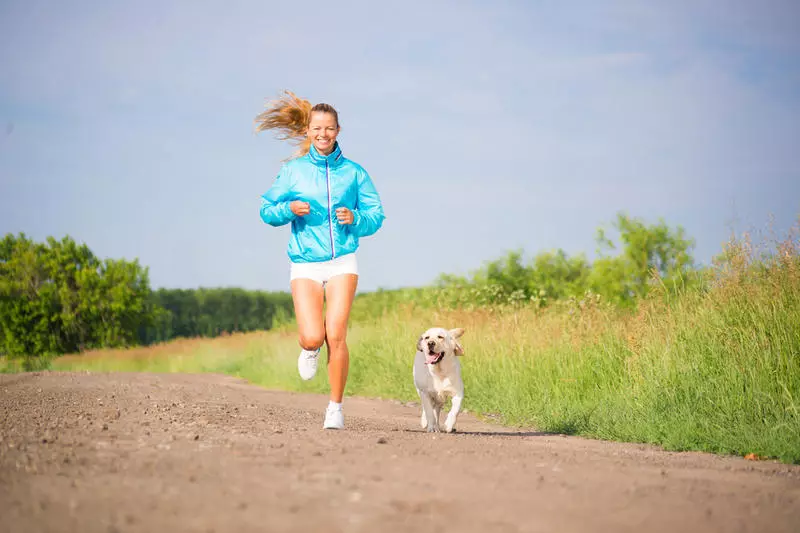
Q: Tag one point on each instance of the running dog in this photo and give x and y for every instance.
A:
(437, 376)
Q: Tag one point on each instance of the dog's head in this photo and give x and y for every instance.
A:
(436, 343)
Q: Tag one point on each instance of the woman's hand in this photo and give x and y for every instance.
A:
(300, 208)
(344, 215)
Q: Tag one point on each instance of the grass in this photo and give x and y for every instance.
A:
(714, 369)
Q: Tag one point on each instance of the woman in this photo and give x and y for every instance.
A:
(330, 202)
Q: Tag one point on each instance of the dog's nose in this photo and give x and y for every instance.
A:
(431, 344)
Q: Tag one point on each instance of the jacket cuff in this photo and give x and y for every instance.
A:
(287, 211)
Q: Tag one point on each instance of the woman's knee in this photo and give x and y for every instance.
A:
(312, 340)
(336, 337)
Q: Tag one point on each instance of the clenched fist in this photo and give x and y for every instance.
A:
(344, 215)
(300, 208)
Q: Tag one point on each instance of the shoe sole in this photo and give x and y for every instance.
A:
(300, 373)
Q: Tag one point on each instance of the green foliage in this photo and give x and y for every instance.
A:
(58, 297)
(212, 312)
(648, 256)
(707, 360)
(713, 368)
(551, 275)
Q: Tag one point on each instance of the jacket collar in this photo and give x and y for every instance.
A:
(333, 159)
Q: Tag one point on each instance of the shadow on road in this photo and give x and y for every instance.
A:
(495, 433)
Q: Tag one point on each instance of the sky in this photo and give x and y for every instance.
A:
(486, 127)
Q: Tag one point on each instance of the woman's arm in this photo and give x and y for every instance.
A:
(275, 203)
(368, 215)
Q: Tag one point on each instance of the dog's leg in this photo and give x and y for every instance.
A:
(428, 414)
(423, 420)
(437, 408)
(450, 423)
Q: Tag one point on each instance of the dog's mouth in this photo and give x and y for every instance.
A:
(433, 357)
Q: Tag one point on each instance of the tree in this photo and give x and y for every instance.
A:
(58, 297)
(648, 252)
(644, 254)
(206, 312)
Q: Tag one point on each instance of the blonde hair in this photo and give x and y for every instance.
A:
(289, 116)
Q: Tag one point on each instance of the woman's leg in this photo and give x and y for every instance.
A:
(308, 296)
(339, 292)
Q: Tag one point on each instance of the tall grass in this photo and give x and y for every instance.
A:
(713, 368)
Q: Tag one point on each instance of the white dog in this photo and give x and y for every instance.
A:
(437, 376)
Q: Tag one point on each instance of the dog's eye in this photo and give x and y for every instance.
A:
(439, 337)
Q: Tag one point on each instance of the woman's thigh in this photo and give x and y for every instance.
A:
(308, 297)
(339, 293)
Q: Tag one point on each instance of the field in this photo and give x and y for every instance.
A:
(715, 367)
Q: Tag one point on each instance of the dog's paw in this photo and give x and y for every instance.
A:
(450, 429)
(434, 429)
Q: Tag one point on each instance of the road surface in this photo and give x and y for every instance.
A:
(208, 453)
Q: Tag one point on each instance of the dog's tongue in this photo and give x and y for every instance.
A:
(433, 357)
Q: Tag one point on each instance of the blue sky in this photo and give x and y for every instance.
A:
(486, 128)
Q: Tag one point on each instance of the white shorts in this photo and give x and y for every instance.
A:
(323, 271)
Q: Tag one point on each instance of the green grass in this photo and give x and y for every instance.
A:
(715, 370)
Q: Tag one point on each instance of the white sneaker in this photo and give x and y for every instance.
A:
(334, 418)
(307, 363)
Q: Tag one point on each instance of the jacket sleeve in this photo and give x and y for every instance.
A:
(368, 215)
(275, 209)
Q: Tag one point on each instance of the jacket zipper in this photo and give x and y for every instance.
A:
(330, 213)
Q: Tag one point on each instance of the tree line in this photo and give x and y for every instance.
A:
(58, 297)
(632, 258)
(210, 312)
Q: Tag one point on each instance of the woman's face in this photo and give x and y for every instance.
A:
(322, 131)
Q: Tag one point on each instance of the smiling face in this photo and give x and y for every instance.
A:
(323, 128)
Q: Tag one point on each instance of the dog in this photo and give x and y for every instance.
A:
(437, 376)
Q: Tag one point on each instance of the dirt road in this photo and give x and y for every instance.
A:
(207, 453)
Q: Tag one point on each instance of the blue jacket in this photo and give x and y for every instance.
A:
(326, 183)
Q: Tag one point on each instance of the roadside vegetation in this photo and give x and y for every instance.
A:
(639, 345)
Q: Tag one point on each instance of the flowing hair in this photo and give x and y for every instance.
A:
(289, 116)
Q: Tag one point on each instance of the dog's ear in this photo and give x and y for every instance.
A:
(458, 350)
(455, 334)
(419, 344)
